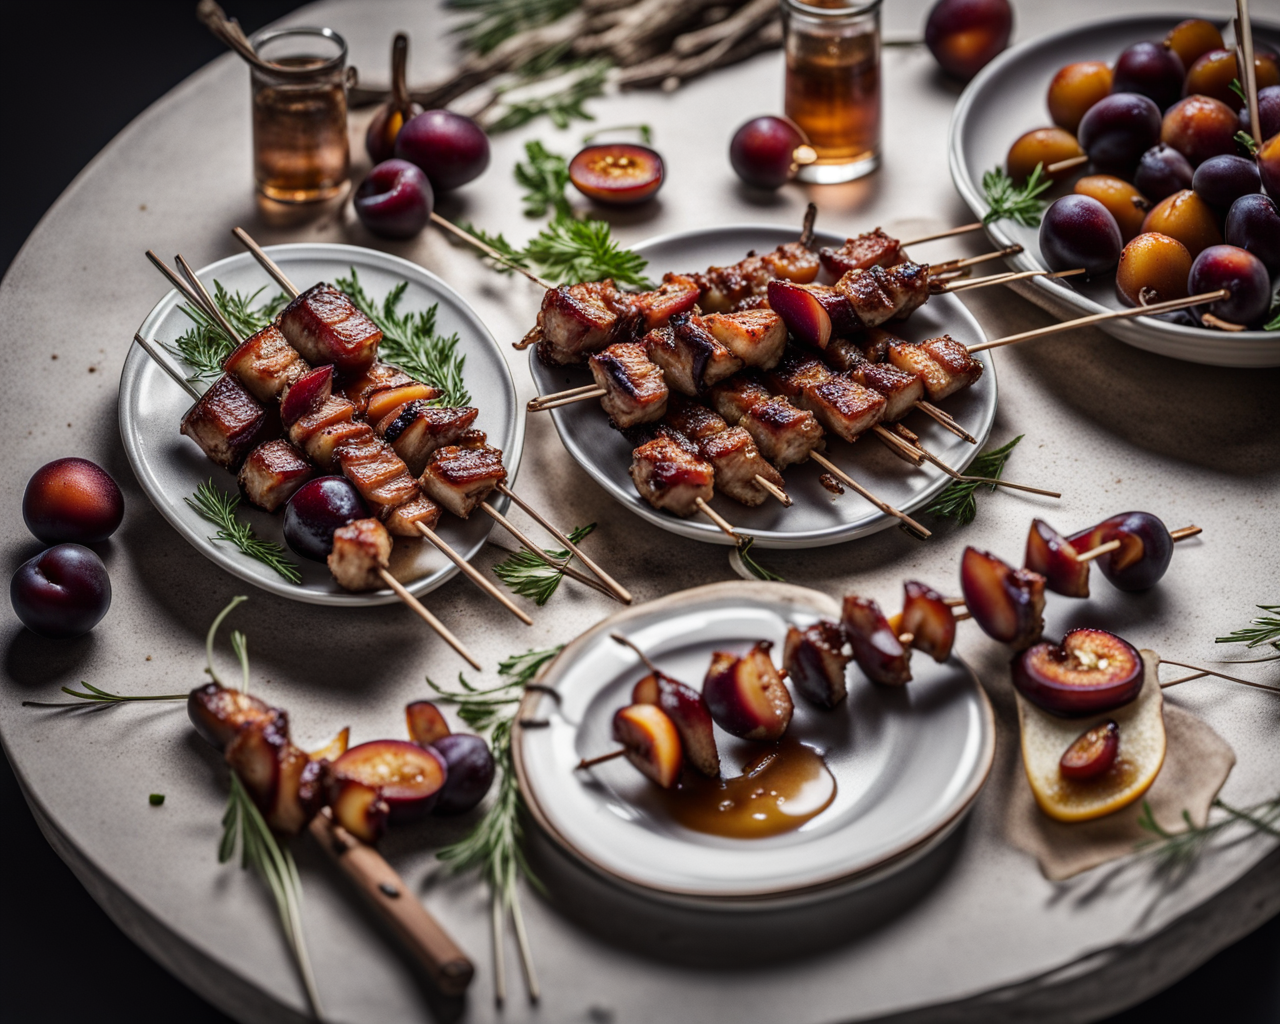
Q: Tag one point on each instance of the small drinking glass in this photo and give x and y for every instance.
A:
(300, 152)
(833, 84)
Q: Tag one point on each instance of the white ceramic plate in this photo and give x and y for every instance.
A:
(817, 517)
(1006, 99)
(908, 761)
(170, 467)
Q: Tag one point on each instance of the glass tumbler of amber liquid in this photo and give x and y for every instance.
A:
(300, 150)
(833, 84)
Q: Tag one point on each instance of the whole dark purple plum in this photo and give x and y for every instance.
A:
(1078, 231)
(62, 592)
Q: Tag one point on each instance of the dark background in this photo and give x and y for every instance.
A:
(63, 959)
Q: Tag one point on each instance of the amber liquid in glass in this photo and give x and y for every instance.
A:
(300, 135)
(833, 93)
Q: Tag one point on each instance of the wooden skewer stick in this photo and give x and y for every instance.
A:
(425, 615)
(1103, 549)
(913, 439)
(472, 573)
(591, 762)
(420, 933)
(1183, 532)
(268, 264)
(499, 952)
(1220, 675)
(539, 553)
(849, 481)
(587, 390)
(183, 288)
(526, 954)
(489, 250)
(206, 300)
(774, 490)
(618, 638)
(718, 519)
(560, 398)
(1115, 314)
(1021, 275)
(964, 229)
(900, 447)
(1248, 71)
(971, 261)
(623, 594)
(154, 352)
(953, 602)
(1067, 164)
(945, 420)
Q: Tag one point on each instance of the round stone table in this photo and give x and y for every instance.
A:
(974, 932)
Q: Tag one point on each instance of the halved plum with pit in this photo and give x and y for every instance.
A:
(1093, 753)
(815, 660)
(650, 742)
(746, 695)
(1090, 672)
(876, 647)
(1146, 548)
(306, 394)
(619, 174)
(688, 713)
(410, 777)
(359, 809)
(929, 619)
(1007, 603)
(1053, 557)
(426, 723)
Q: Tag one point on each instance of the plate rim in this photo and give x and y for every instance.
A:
(707, 533)
(136, 359)
(1249, 348)
(897, 859)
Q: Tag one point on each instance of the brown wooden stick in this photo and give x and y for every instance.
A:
(544, 406)
(1069, 162)
(944, 420)
(622, 593)
(425, 615)
(972, 261)
(618, 638)
(385, 891)
(174, 279)
(206, 300)
(489, 250)
(900, 447)
(1221, 675)
(268, 264)
(472, 573)
(1021, 275)
(591, 762)
(556, 395)
(914, 441)
(964, 229)
(1182, 533)
(774, 490)
(716, 518)
(1248, 71)
(953, 602)
(150, 349)
(1115, 314)
(526, 954)
(1099, 551)
(849, 481)
(533, 549)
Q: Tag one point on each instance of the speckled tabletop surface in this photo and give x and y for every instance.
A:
(974, 932)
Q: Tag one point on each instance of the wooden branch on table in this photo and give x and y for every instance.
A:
(670, 71)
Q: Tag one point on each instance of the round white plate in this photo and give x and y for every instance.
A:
(1006, 99)
(817, 517)
(908, 761)
(170, 467)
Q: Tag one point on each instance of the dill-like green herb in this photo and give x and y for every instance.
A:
(543, 177)
(959, 501)
(1262, 631)
(410, 341)
(743, 554)
(1010, 201)
(219, 508)
(96, 697)
(156, 799)
(1176, 850)
(562, 106)
(568, 251)
(205, 344)
(495, 21)
(529, 576)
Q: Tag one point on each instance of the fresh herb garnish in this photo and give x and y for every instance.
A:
(410, 341)
(1246, 140)
(529, 576)
(1176, 850)
(1017, 203)
(496, 21)
(646, 133)
(100, 698)
(562, 106)
(1274, 323)
(205, 345)
(959, 501)
(1262, 631)
(155, 799)
(742, 555)
(219, 508)
(543, 177)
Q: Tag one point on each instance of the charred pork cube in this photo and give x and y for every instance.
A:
(575, 321)
(459, 479)
(815, 661)
(272, 472)
(944, 365)
(472, 439)
(318, 433)
(417, 429)
(756, 336)
(843, 406)
(266, 364)
(878, 294)
(784, 434)
(670, 474)
(739, 466)
(901, 390)
(325, 327)
(402, 520)
(360, 549)
(226, 422)
(690, 356)
(635, 389)
(872, 249)
(377, 472)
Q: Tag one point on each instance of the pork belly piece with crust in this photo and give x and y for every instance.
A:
(360, 549)
(878, 295)
(417, 429)
(901, 390)
(730, 450)
(756, 336)
(378, 473)
(226, 422)
(784, 434)
(574, 321)
(272, 473)
(689, 355)
(670, 474)
(743, 285)
(871, 249)
(266, 364)
(459, 479)
(843, 406)
(944, 373)
(325, 327)
(318, 433)
(401, 521)
(635, 388)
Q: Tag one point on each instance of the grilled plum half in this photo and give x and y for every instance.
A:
(688, 713)
(815, 660)
(1093, 752)
(1053, 557)
(1090, 672)
(746, 694)
(1146, 548)
(876, 647)
(650, 742)
(409, 776)
(426, 724)
(929, 620)
(1007, 603)
(471, 769)
(359, 808)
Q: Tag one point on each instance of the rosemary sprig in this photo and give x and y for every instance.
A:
(205, 345)
(1263, 630)
(562, 106)
(529, 576)
(1009, 201)
(219, 508)
(98, 698)
(1176, 850)
(959, 501)
(568, 251)
(495, 21)
(543, 177)
(410, 341)
(742, 554)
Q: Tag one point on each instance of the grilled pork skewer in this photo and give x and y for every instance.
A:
(670, 474)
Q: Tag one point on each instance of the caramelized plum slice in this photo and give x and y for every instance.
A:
(359, 809)
(650, 742)
(1093, 753)
(618, 174)
(409, 776)
(929, 620)
(426, 723)
(1091, 672)
(815, 660)
(305, 395)
(1146, 548)
(335, 748)
(801, 311)
(1053, 557)
(285, 784)
(218, 713)
(746, 695)
(1007, 603)
(876, 646)
(688, 713)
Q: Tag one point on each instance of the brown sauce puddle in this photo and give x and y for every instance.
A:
(778, 791)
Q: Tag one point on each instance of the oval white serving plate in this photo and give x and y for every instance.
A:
(817, 517)
(908, 761)
(1006, 99)
(170, 467)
